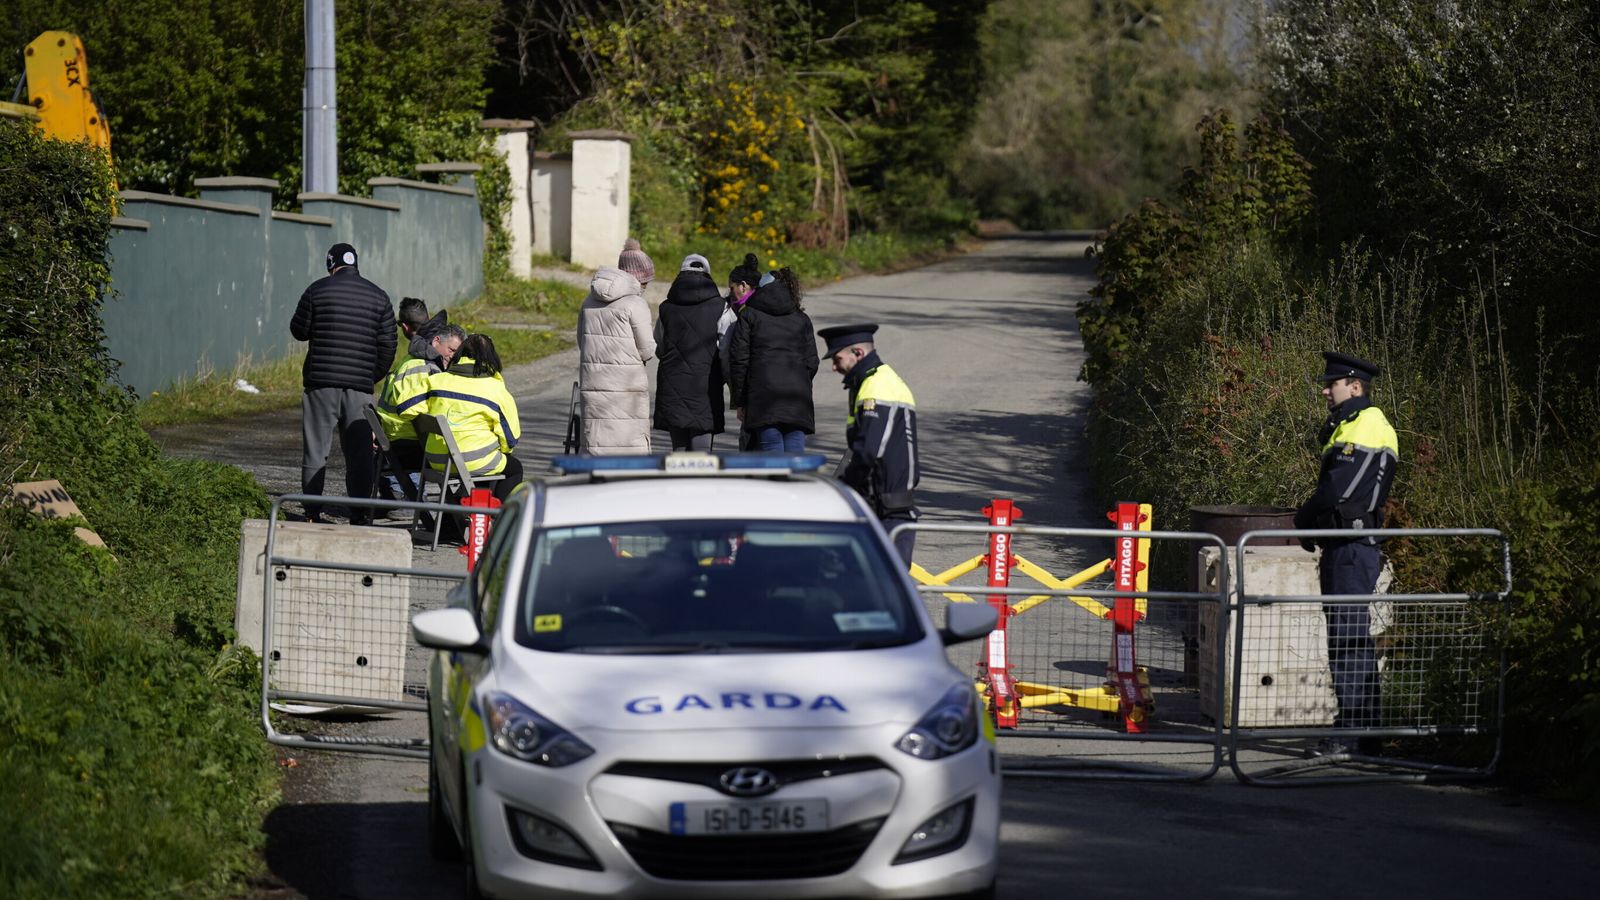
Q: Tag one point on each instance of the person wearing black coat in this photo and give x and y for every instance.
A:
(688, 372)
(349, 322)
(774, 359)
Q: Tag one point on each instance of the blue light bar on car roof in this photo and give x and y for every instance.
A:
(689, 463)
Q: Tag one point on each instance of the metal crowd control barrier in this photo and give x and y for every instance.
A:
(336, 636)
(1073, 654)
(1432, 674)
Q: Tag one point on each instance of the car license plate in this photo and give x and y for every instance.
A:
(784, 817)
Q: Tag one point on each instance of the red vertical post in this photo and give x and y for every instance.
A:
(477, 526)
(997, 660)
(1123, 666)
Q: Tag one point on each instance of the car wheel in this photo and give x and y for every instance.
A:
(442, 841)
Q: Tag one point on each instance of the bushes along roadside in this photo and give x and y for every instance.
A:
(133, 764)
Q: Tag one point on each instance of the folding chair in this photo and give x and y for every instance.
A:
(456, 475)
(574, 423)
(388, 462)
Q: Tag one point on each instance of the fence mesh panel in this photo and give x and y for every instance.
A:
(1414, 665)
(348, 634)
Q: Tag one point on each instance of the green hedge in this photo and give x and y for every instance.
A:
(1209, 402)
(133, 765)
(55, 227)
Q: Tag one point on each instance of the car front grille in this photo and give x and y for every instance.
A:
(746, 858)
(785, 772)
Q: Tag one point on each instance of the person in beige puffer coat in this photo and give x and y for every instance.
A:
(614, 343)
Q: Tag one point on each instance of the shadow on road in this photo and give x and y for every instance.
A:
(337, 851)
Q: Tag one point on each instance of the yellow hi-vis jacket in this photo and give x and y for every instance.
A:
(882, 433)
(1359, 455)
(402, 395)
(482, 416)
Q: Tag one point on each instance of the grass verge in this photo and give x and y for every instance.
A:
(531, 319)
(133, 763)
(527, 319)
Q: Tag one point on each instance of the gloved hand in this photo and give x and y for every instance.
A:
(1309, 544)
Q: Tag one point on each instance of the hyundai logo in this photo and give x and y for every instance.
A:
(749, 781)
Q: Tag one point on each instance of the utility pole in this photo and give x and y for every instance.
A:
(319, 107)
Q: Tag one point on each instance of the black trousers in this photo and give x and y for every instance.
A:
(687, 439)
(513, 477)
(1351, 567)
(906, 541)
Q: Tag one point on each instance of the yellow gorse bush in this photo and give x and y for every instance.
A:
(753, 161)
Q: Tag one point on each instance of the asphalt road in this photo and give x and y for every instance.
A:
(988, 342)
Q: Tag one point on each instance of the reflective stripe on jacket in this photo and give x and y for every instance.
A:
(882, 431)
(402, 395)
(1359, 457)
(482, 416)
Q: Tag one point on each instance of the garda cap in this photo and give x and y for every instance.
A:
(1341, 365)
(841, 336)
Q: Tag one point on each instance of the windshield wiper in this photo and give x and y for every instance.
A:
(896, 641)
(687, 647)
(697, 647)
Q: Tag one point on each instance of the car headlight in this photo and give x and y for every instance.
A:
(950, 727)
(519, 732)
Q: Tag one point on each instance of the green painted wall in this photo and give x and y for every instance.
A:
(201, 286)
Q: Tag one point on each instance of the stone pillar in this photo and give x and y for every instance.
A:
(552, 204)
(600, 173)
(512, 143)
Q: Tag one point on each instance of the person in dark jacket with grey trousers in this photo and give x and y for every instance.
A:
(774, 357)
(350, 324)
(688, 371)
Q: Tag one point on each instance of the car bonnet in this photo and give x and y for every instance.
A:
(728, 690)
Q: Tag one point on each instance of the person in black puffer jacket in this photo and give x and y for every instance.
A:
(774, 359)
(350, 324)
(688, 373)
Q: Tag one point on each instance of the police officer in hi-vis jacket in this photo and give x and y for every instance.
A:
(881, 463)
(1359, 456)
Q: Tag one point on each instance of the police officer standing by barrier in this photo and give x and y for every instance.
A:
(1359, 455)
(881, 429)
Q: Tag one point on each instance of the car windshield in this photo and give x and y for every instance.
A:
(713, 587)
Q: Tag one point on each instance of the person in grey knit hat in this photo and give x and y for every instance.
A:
(634, 261)
(614, 344)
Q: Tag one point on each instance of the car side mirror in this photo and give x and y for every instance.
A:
(968, 621)
(452, 628)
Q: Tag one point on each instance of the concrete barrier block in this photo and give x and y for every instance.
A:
(339, 633)
(1284, 674)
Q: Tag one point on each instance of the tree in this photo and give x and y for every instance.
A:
(1087, 105)
(1467, 133)
(882, 90)
(195, 88)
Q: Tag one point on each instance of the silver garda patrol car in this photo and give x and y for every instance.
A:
(697, 677)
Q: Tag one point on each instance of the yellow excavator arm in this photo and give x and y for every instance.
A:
(59, 99)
